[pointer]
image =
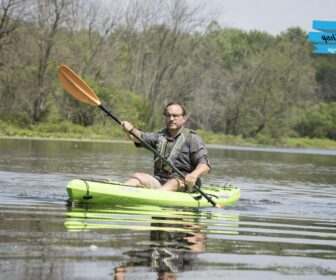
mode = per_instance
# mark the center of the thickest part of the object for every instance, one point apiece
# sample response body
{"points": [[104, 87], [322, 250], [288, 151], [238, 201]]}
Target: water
{"points": [[283, 227]]}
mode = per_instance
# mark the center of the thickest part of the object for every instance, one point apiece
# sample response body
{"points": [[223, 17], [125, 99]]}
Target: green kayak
{"points": [[100, 192]]}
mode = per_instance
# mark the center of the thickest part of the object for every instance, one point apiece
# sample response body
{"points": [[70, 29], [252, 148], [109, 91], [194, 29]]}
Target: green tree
{"points": [[156, 50], [318, 121], [255, 81], [325, 66]]}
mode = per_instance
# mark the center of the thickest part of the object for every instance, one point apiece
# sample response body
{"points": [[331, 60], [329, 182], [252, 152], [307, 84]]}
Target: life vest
{"points": [[159, 165]]}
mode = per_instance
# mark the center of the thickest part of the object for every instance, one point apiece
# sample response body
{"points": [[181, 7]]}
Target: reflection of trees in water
{"points": [[170, 251]]}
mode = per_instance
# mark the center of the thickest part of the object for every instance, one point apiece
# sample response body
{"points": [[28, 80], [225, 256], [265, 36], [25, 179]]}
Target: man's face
{"points": [[174, 118]]}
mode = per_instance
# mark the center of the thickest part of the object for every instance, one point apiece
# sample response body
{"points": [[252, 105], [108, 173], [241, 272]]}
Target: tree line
{"points": [[139, 56]]}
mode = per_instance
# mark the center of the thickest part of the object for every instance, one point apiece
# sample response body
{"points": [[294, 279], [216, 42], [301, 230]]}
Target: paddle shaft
{"points": [[155, 152]]}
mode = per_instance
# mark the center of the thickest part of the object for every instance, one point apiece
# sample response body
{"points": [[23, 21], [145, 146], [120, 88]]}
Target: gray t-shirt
{"points": [[192, 153]]}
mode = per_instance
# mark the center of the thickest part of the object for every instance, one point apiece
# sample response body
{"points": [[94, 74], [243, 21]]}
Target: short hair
{"points": [[175, 103]]}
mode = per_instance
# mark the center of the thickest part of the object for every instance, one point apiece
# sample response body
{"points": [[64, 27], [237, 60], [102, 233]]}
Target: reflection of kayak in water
{"points": [[150, 218], [168, 240], [100, 192]]}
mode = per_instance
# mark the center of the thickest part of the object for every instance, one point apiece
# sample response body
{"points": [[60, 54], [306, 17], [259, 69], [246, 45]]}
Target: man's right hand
{"points": [[127, 126]]}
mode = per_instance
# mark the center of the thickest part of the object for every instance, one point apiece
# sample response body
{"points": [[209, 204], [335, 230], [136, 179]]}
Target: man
{"points": [[181, 146]]}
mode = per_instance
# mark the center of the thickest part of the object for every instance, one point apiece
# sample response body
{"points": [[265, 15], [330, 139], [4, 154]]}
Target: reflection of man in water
{"points": [[171, 252], [180, 255]]}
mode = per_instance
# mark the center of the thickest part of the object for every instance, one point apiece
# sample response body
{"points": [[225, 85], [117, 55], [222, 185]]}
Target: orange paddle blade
{"points": [[75, 86]]}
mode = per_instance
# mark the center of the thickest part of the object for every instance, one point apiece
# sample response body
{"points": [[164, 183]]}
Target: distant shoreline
{"points": [[299, 150], [64, 139]]}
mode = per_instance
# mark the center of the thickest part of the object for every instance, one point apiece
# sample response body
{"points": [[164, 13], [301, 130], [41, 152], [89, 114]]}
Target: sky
{"points": [[272, 16]]}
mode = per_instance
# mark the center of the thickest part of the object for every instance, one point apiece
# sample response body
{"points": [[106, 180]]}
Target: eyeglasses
{"points": [[175, 116]]}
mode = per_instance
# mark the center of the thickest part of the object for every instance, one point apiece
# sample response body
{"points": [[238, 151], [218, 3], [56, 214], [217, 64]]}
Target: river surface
{"points": [[283, 227]]}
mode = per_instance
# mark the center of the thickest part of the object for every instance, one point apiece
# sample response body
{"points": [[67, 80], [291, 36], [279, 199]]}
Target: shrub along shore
{"points": [[111, 132]]}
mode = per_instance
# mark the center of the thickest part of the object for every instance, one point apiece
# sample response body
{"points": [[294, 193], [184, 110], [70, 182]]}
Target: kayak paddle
{"points": [[78, 89]]}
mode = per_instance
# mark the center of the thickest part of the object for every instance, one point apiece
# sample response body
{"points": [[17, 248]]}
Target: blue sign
{"points": [[322, 37], [331, 49], [325, 26], [325, 41]]}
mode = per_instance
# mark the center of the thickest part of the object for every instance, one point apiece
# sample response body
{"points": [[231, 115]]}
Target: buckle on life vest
{"points": [[166, 174]]}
